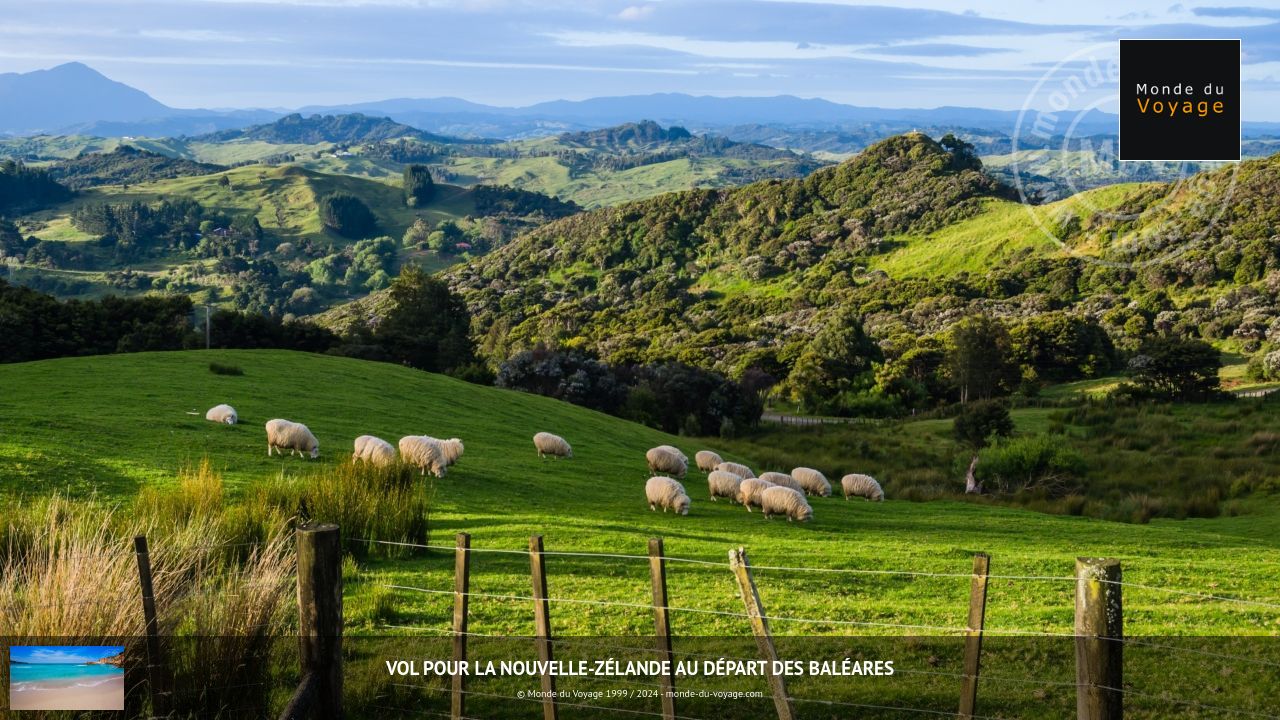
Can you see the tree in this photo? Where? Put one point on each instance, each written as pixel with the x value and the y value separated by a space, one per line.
pixel 427 326
pixel 347 215
pixel 974 427
pixel 1174 368
pixel 980 358
pixel 418 186
pixel 839 353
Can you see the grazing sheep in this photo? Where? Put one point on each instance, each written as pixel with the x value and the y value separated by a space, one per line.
pixel 373 450
pixel 452 450
pixel 723 484
pixel 552 445
pixel 668 494
pixel 863 486
pixel 812 481
pixel 707 460
pixel 677 451
pixel 749 492
pixel 783 479
pixel 662 459
pixel 295 437
pixel 785 501
pixel 424 453
pixel 222 414
pixel 738 469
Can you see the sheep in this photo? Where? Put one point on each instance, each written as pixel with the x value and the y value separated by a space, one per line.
pixel 552 445
pixel 373 450
pixel 452 450
pixel 785 501
pixel 222 414
pixel 863 486
pixel 295 437
pixel 749 491
pixel 783 479
pixel 663 459
pixel 666 493
pixel 424 453
pixel 812 481
pixel 676 451
pixel 738 469
pixel 723 484
pixel 707 460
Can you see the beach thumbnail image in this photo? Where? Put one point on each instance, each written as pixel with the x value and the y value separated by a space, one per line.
pixel 66 677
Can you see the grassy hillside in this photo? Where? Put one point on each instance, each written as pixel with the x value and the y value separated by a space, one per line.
pixel 129 427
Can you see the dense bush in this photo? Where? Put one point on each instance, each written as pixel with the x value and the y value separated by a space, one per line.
pixel 24 189
pixel 347 215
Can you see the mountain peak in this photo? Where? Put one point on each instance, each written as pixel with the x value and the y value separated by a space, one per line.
pixel 69 94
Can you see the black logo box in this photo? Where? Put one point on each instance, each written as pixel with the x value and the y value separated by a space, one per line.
pixel 1180 65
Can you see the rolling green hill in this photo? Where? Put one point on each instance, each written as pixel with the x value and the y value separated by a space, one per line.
pixel 141 419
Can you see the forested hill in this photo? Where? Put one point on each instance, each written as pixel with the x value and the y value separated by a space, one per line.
pixel 657 143
pixel 902 242
pixel 349 128
pixel 127 165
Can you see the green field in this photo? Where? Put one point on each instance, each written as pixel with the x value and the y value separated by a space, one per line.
pixel 106 426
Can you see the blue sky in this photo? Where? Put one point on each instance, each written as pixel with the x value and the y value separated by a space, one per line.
pixel 908 53
pixel 63 654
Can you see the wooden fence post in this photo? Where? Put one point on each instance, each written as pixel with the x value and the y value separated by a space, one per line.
pixel 461 588
pixel 542 626
pixel 662 626
pixel 155 663
pixel 760 627
pixel 973 635
pixel 1099 640
pixel 320 616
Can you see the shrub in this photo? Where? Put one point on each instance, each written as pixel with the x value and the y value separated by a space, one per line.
pixel 1033 463
pixel 347 215
pixel 220 369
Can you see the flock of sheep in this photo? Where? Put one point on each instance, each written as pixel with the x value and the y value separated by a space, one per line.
pixel 775 493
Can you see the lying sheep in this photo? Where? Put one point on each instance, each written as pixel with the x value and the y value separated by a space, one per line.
pixel 295 437
pixel 785 501
pixel 749 492
pixel 666 459
pixel 863 486
pixel 222 414
pixel 663 492
pixel 373 450
pixel 738 469
pixel 424 453
pixel 783 479
pixel 452 450
pixel 707 460
pixel 813 482
pixel 552 445
pixel 723 484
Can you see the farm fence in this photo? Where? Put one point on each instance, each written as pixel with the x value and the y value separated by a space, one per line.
pixel 1098 636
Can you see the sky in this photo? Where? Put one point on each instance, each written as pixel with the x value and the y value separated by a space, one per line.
pixel 63 654
pixel 900 53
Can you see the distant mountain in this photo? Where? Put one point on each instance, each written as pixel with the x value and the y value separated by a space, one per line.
pixel 67 95
pixel 188 122
pixel 126 165
pixel 628 135
pixel 348 128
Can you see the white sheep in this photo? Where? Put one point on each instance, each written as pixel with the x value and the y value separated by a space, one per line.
pixel 783 479
pixel 707 460
pixel 749 492
pixel 666 493
pixel 723 484
pixel 373 450
pixel 452 450
pixel 295 437
pixel 813 482
pixel 222 414
pixel 785 501
pixel 552 445
pixel 666 459
pixel 424 453
pixel 738 469
pixel 677 451
pixel 863 486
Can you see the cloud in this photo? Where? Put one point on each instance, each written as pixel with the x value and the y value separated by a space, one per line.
pixel 1238 11
pixel 936 50
pixel 635 12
